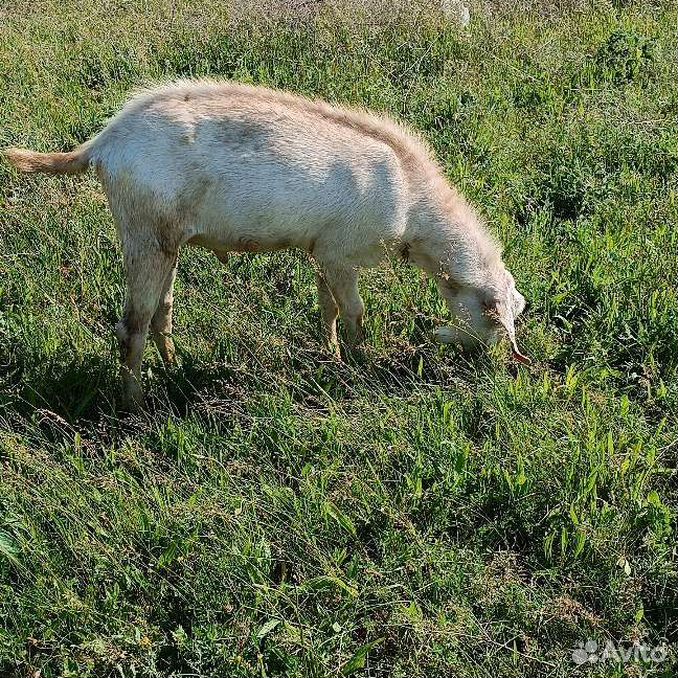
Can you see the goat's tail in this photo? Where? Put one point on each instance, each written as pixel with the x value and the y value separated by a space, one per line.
pixel 51 163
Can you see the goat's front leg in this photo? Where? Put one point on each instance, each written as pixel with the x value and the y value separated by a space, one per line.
pixel 343 284
pixel 147 272
pixel 329 311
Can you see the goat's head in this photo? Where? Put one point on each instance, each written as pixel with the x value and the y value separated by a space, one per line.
pixel 483 314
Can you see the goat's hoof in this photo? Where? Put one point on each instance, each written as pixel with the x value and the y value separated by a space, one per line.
pixel 332 348
pixel 132 405
pixel 132 399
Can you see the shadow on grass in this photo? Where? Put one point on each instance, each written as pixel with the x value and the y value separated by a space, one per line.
pixel 74 390
pixel 87 391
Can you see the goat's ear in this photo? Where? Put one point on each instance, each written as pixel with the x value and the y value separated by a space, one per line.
pixel 503 314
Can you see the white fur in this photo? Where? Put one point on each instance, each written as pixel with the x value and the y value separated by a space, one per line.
pixel 238 168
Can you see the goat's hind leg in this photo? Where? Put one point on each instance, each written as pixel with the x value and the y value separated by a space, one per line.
pixel 148 269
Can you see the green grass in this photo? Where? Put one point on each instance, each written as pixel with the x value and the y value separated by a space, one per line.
pixel 419 513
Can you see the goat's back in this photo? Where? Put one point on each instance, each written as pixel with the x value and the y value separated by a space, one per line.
pixel 245 159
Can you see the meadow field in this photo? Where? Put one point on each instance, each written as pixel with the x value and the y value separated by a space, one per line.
pixel 414 511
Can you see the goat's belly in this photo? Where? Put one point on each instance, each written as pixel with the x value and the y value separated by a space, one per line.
pixel 257 210
pixel 242 243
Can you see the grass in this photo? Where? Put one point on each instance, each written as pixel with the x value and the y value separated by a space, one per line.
pixel 421 513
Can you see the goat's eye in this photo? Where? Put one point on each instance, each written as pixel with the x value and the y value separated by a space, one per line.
pixel 490 308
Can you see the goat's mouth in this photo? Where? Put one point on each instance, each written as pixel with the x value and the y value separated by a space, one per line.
pixel 469 342
pixel 458 335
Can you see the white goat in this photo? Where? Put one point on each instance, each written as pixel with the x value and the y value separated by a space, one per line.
pixel 238 168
